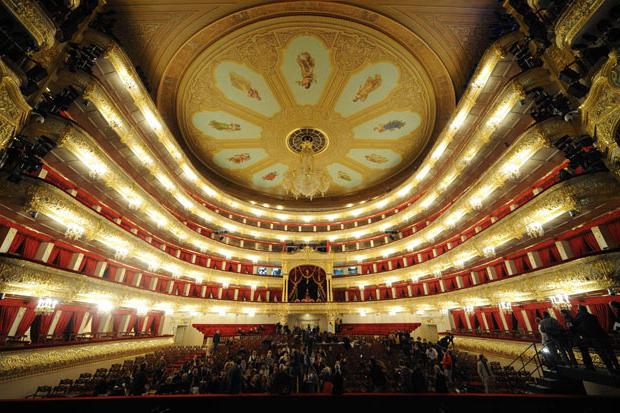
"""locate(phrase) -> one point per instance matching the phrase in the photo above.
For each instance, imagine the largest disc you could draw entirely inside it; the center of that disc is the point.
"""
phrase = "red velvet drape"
(96, 322)
(63, 320)
(17, 242)
(498, 319)
(7, 317)
(26, 322)
(46, 322)
(78, 318)
(520, 319)
(30, 247)
(602, 313)
(157, 319)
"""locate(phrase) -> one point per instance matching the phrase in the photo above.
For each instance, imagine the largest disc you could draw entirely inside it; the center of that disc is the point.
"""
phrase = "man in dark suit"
(588, 327)
(216, 339)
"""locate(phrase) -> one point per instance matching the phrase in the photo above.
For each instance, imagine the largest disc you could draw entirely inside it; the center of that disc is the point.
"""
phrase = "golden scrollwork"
(34, 19)
(13, 107)
(573, 20)
(600, 111)
(21, 363)
(503, 348)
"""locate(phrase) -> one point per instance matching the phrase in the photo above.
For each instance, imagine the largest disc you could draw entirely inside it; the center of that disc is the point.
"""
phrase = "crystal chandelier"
(45, 306)
(304, 180)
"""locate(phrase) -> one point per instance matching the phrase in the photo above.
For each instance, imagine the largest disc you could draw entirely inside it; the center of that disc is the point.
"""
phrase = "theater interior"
(358, 204)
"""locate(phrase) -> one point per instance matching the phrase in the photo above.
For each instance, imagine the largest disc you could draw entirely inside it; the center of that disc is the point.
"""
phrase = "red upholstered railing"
(229, 330)
(378, 329)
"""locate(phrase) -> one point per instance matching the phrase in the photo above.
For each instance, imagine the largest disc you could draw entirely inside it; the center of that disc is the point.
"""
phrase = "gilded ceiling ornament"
(35, 20)
(573, 19)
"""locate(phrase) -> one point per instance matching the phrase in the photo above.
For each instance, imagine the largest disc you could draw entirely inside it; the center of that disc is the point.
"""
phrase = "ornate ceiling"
(242, 81)
(243, 96)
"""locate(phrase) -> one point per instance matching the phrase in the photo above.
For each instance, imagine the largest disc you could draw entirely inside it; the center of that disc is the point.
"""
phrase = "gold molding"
(600, 112)
(34, 19)
(573, 19)
(503, 348)
(13, 107)
(27, 362)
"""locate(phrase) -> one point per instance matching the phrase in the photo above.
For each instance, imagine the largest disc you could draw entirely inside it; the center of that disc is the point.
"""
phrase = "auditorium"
(290, 205)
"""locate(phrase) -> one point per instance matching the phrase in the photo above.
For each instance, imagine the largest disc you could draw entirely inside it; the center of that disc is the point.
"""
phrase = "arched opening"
(307, 283)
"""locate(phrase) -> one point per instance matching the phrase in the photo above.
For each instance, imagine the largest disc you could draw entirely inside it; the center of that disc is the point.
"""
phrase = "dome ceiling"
(243, 96)
(373, 103)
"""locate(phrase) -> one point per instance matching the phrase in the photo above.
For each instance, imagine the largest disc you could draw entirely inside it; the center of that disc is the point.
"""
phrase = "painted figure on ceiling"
(244, 85)
(229, 127)
(270, 176)
(239, 158)
(371, 84)
(306, 65)
(388, 126)
(344, 176)
(376, 158)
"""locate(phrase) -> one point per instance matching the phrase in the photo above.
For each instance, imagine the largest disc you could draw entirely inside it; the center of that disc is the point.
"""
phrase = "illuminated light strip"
(67, 212)
(185, 202)
(536, 210)
(233, 228)
(382, 224)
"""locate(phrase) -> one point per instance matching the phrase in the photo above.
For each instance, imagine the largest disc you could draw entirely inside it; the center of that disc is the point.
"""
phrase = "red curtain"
(26, 322)
(614, 230)
(602, 313)
(89, 265)
(63, 320)
(520, 319)
(480, 318)
(30, 247)
(590, 241)
(508, 317)
(17, 242)
(96, 322)
(64, 258)
(149, 323)
(157, 319)
(78, 318)
(498, 319)
(7, 317)
(116, 322)
(46, 322)
(555, 254)
(578, 246)
(131, 323)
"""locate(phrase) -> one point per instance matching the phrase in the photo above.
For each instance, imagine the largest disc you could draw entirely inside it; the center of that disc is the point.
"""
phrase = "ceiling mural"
(222, 125)
(243, 96)
(306, 68)
(389, 126)
(375, 158)
(271, 176)
(344, 176)
(239, 158)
